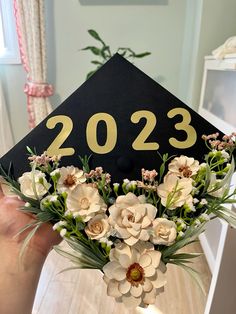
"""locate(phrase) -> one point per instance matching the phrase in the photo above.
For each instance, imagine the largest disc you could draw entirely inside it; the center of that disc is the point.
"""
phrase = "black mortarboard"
(120, 116)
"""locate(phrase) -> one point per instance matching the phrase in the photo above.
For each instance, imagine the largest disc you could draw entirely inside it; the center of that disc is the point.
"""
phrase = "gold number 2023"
(139, 143)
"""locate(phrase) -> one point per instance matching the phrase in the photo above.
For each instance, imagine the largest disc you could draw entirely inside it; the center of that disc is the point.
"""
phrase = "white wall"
(217, 23)
(177, 32)
(156, 28)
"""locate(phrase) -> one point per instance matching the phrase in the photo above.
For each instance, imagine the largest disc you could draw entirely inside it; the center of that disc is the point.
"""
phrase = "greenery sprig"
(103, 53)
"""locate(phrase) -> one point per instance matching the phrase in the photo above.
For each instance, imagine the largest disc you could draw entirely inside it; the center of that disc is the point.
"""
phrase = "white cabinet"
(218, 106)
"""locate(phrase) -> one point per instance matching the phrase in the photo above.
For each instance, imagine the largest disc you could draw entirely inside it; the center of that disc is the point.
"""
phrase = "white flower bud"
(63, 232)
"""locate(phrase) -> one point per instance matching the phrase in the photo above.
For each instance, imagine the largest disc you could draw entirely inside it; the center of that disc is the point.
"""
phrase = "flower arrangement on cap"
(130, 231)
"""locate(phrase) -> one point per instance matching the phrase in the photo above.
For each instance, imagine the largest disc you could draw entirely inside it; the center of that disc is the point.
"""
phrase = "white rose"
(131, 218)
(34, 184)
(163, 232)
(175, 192)
(97, 227)
(85, 201)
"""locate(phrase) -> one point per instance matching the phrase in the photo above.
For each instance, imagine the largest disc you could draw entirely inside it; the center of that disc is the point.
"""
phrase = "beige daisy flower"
(183, 166)
(69, 178)
(135, 275)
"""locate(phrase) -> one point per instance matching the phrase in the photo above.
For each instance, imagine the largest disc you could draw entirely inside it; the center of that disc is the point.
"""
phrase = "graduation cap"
(122, 118)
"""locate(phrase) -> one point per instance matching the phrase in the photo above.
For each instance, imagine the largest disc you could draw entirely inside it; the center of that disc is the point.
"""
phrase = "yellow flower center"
(135, 274)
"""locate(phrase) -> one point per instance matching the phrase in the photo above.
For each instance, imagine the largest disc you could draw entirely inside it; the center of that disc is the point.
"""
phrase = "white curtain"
(30, 25)
(6, 139)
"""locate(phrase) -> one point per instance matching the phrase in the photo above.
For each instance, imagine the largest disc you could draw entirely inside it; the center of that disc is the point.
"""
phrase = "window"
(9, 51)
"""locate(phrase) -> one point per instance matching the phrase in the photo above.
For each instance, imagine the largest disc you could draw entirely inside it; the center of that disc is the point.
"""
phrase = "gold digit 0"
(139, 143)
(67, 126)
(184, 126)
(91, 133)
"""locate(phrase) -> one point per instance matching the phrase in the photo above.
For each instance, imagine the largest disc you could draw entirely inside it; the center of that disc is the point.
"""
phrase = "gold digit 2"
(67, 126)
(91, 133)
(139, 143)
(185, 126)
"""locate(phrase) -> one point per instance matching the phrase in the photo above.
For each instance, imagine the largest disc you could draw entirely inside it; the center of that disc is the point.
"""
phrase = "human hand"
(19, 281)
(12, 220)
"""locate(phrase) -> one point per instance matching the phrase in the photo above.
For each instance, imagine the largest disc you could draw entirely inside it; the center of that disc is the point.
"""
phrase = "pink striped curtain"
(30, 24)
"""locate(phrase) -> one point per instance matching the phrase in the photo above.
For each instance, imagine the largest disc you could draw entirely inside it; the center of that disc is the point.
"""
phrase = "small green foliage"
(103, 52)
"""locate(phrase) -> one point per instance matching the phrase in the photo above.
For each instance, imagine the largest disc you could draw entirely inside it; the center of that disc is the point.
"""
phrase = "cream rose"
(131, 218)
(85, 201)
(34, 184)
(97, 227)
(183, 166)
(163, 232)
(175, 192)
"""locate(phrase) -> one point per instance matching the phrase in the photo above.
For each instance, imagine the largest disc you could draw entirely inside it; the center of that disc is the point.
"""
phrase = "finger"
(1, 192)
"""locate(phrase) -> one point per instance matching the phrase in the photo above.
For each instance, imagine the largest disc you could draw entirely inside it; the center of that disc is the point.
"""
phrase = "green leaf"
(30, 209)
(95, 35)
(96, 62)
(207, 179)
(194, 274)
(90, 74)
(227, 214)
(93, 49)
(30, 150)
(80, 256)
(227, 179)
(185, 255)
(141, 55)
(29, 236)
(45, 216)
(103, 53)
(85, 163)
(33, 202)
(190, 236)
